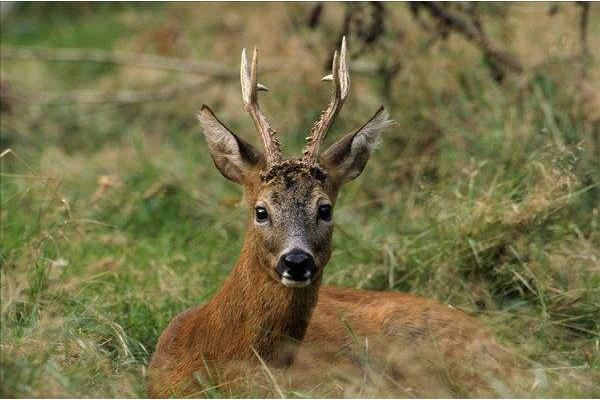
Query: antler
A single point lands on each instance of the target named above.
(341, 87)
(250, 89)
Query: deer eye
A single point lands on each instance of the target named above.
(325, 212)
(261, 214)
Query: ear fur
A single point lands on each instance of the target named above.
(233, 157)
(347, 157)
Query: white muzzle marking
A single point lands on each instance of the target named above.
(295, 284)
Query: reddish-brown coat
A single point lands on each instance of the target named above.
(253, 312)
(416, 346)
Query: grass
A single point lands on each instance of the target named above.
(114, 219)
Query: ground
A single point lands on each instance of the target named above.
(484, 196)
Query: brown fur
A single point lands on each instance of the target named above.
(342, 342)
(421, 347)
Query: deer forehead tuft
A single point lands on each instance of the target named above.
(291, 170)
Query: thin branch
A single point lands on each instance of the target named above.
(583, 27)
(470, 31)
(120, 58)
(583, 37)
(140, 60)
(120, 97)
(315, 14)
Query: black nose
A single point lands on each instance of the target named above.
(297, 265)
(296, 258)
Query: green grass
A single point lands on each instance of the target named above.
(114, 219)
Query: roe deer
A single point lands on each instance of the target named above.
(272, 313)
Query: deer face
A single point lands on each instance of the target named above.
(292, 200)
(292, 222)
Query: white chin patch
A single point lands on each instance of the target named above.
(295, 284)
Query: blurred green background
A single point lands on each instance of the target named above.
(484, 196)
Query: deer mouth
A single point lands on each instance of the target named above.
(288, 280)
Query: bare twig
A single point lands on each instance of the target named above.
(494, 54)
(583, 27)
(121, 58)
(583, 37)
(120, 97)
(140, 60)
(315, 15)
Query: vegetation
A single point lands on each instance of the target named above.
(485, 196)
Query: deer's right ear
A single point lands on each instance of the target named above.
(233, 157)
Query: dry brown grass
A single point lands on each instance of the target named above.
(114, 219)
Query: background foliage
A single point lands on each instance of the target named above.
(485, 196)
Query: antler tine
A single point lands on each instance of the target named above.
(341, 87)
(250, 87)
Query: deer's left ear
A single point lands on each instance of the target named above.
(347, 157)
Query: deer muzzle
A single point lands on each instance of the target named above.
(296, 268)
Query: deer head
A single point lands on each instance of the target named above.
(292, 199)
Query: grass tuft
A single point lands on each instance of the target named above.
(113, 218)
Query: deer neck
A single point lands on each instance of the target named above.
(258, 314)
